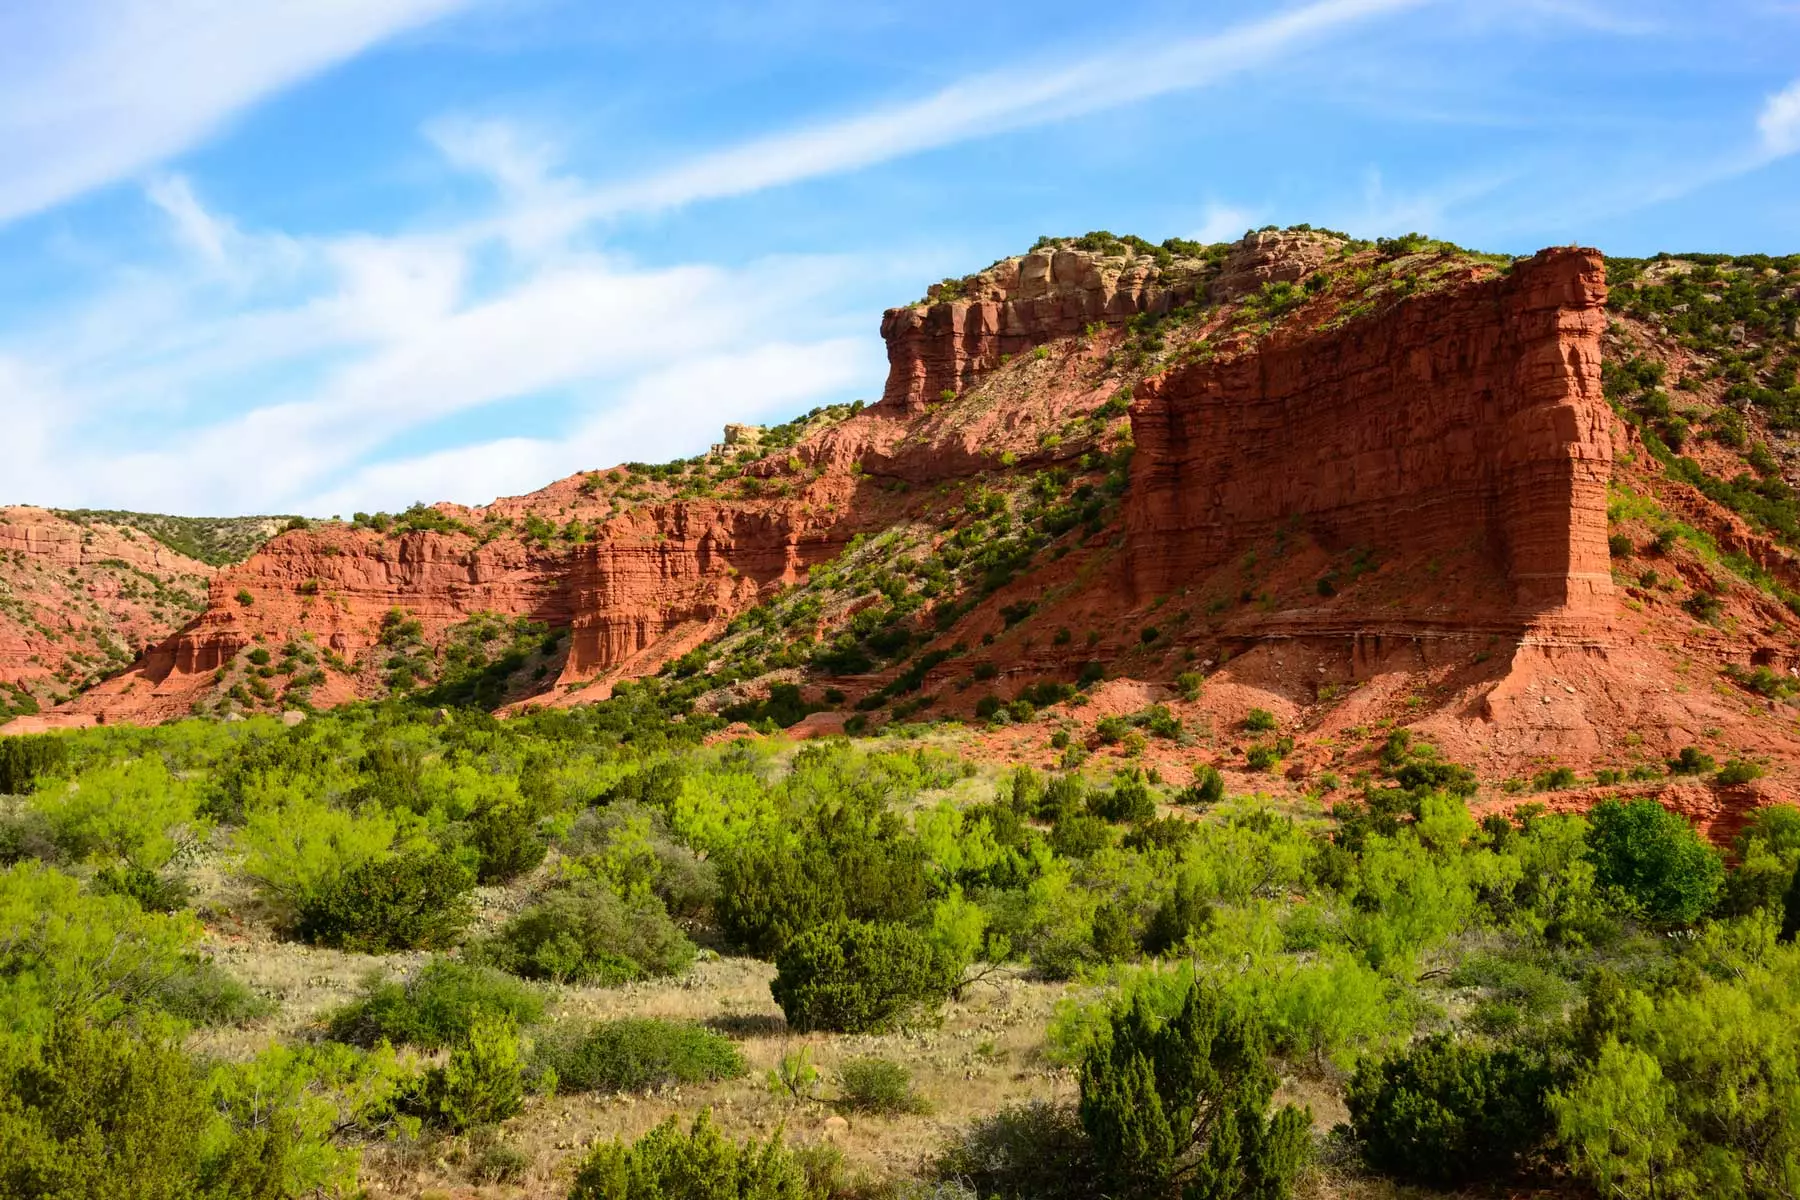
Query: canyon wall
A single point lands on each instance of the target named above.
(679, 571)
(1467, 419)
(76, 596)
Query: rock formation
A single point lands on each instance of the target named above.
(75, 596)
(1467, 419)
(959, 334)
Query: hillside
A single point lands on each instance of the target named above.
(1354, 485)
(1321, 725)
(80, 600)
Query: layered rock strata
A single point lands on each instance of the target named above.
(1471, 419)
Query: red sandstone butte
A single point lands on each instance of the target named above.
(1464, 421)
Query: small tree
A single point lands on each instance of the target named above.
(857, 976)
(480, 1084)
(1656, 859)
(1185, 1103)
(1446, 1112)
(701, 1164)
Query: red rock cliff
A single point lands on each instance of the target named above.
(1469, 417)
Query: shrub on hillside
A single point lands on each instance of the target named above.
(481, 1083)
(635, 1054)
(436, 1007)
(1654, 858)
(858, 977)
(878, 1086)
(105, 1111)
(701, 1164)
(1184, 1103)
(413, 901)
(1128, 801)
(25, 760)
(770, 892)
(585, 932)
(1033, 1151)
(507, 838)
(1445, 1113)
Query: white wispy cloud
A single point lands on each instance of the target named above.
(94, 91)
(1223, 223)
(980, 106)
(1779, 121)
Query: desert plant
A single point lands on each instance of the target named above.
(700, 1164)
(795, 1077)
(879, 1086)
(413, 901)
(1184, 1103)
(1444, 1113)
(586, 932)
(436, 1007)
(481, 1083)
(633, 1054)
(1655, 859)
(857, 976)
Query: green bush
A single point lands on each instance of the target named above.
(1207, 789)
(1445, 1113)
(106, 1113)
(25, 760)
(860, 977)
(1260, 720)
(1654, 858)
(1033, 1151)
(508, 840)
(1128, 801)
(481, 1083)
(879, 1086)
(436, 1007)
(634, 1054)
(860, 867)
(701, 1164)
(413, 901)
(1691, 761)
(1185, 1103)
(585, 932)
(201, 992)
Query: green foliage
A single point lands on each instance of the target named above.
(878, 1086)
(1446, 1113)
(1260, 720)
(859, 977)
(635, 1054)
(1694, 1091)
(1033, 1151)
(701, 1164)
(795, 1077)
(436, 1007)
(215, 540)
(586, 932)
(481, 1083)
(418, 900)
(1655, 859)
(1691, 761)
(106, 1113)
(25, 760)
(1185, 1102)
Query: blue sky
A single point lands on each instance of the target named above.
(328, 255)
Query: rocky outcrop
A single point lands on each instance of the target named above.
(964, 327)
(676, 573)
(1467, 419)
(76, 597)
(960, 334)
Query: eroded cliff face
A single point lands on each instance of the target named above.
(664, 579)
(1462, 423)
(76, 598)
(945, 344)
